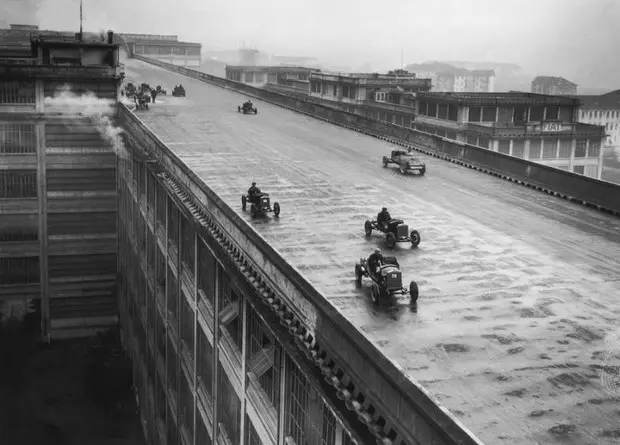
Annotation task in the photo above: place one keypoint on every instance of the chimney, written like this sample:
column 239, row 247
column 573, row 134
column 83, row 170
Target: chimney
column 110, row 36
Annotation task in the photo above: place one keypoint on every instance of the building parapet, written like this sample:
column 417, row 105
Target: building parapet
column 551, row 128
column 58, row 72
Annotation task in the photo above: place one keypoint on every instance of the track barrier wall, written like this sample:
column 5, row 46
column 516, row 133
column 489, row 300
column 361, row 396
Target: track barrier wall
column 319, row 330
column 581, row 189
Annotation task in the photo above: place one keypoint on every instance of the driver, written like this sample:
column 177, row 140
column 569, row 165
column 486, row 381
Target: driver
column 253, row 191
column 375, row 260
column 384, row 217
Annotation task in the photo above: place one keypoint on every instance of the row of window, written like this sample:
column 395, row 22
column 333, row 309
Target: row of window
column 264, row 352
column 15, row 184
column 599, row 114
column 17, row 138
column 516, row 114
column 17, row 92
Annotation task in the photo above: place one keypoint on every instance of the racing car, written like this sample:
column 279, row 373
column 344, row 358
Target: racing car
column 178, row 91
column 406, row 162
column 259, row 204
column 395, row 232
column 387, row 282
column 247, row 108
column 160, row 90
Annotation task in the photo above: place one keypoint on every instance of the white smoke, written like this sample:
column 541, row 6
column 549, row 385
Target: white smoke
column 99, row 111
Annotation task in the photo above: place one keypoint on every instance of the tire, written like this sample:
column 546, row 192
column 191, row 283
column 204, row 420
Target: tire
column 239, row 109
column 368, row 228
column 414, row 292
column 255, row 110
column 415, row 238
column 375, row 293
column 390, row 240
column 244, row 202
column 253, row 211
column 385, row 161
column 358, row 273
column 276, row 209
column 422, row 171
column 403, row 169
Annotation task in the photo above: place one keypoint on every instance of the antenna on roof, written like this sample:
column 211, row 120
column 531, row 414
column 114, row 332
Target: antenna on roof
column 81, row 20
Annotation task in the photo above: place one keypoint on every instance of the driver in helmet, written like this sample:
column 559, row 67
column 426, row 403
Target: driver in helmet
column 253, row 191
column 383, row 218
column 375, row 260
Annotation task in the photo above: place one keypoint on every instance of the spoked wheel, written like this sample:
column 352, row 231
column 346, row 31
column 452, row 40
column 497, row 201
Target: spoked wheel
column 368, row 228
column 375, row 293
column 358, row 273
column 390, row 240
column 415, row 238
column 414, row 292
column 244, row 202
column 276, row 209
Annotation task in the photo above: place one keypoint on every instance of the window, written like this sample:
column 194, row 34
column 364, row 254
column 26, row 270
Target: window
column 484, row 142
column 472, row 139
column 21, row 92
column 18, row 184
column 518, row 148
column 553, row 113
column 566, row 114
column 228, row 407
column 580, row 169
column 442, row 111
column 536, row 114
column 453, row 112
column 489, row 114
column 535, row 148
column 187, row 246
column 580, row 148
column 594, row 148
column 17, row 139
column 432, row 109
column 504, row 147
column 204, row 358
column 475, row 114
column 520, row 115
column 263, row 357
column 550, row 148
column 422, row 105
column 566, row 147
column 187, row 327
column 19, row 270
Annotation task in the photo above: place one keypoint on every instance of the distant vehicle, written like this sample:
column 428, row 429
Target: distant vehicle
column 142, row 102
column 259, row 204
column 178, row 91
column 396, row 231
column 406, row 162
column 388, row 281
column 130, row 90
column 247, row 108
column 160, row 90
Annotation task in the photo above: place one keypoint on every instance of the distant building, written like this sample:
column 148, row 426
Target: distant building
column 448, row 78
column 398, row 89
column 554, row 86
column 311, row 62
column 603, row 110
column 166, row 48
column 260, row 75
column 540, row 128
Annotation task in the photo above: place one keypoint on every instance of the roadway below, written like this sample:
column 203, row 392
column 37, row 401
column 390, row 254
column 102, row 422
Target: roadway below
column 518, row 289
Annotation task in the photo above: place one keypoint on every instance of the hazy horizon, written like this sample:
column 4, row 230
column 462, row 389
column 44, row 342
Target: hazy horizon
column 576, row 39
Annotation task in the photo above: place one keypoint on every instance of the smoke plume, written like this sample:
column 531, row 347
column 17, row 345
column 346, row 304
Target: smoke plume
column 99, row 111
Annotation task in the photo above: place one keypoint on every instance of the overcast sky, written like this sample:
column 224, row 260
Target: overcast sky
column 578, row 39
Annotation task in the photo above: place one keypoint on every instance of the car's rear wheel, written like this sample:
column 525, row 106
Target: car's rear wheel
column 358, row 273
column 375, row 293
column 276, row 209
column 413, row 291
column 422, row 171
column 368, row 228
column 415, row 238
column 244, row 202
column 390, row 240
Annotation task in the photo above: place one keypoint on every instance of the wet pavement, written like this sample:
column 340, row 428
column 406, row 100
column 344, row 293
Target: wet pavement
column 519, row 291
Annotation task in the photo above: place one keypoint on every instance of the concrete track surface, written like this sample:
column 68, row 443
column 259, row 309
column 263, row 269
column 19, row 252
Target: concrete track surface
column 519, row 290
